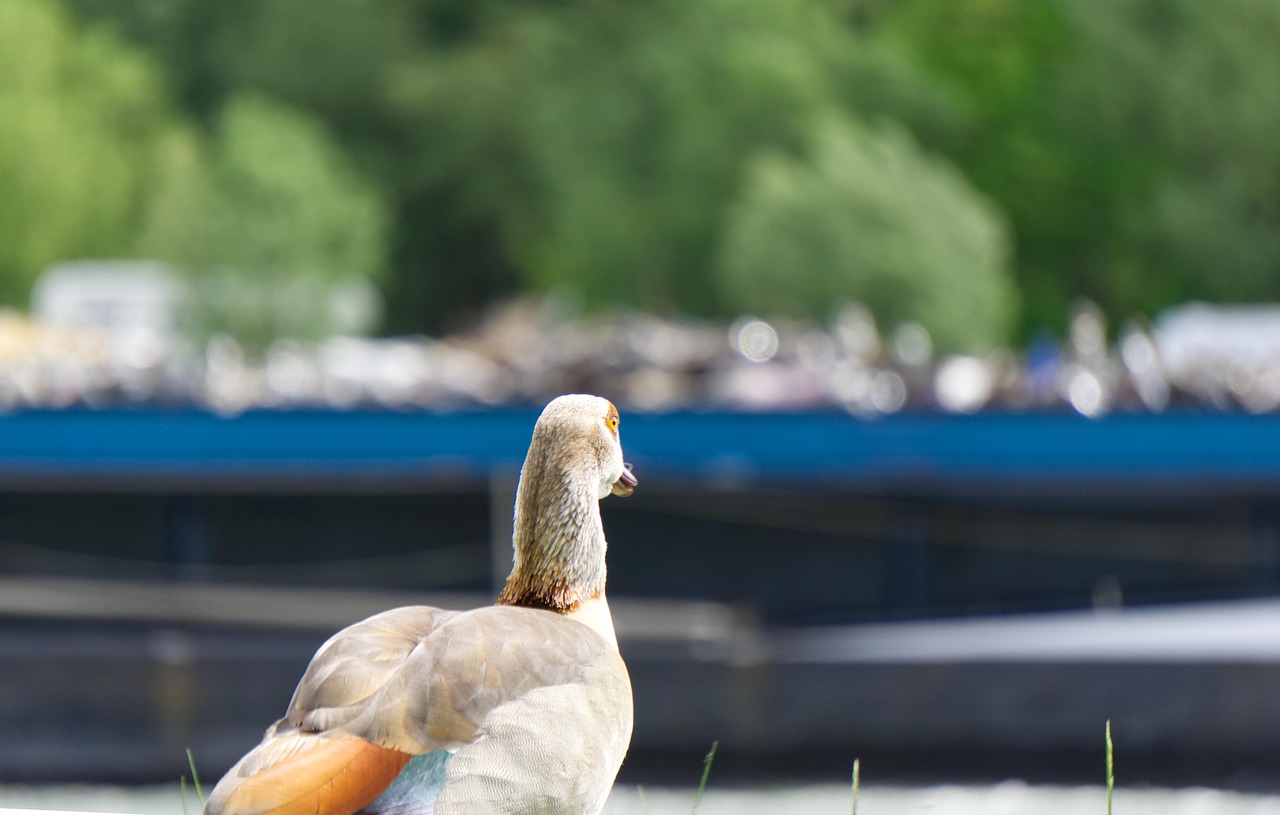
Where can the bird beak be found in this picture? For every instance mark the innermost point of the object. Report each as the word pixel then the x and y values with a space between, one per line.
pixel 626 482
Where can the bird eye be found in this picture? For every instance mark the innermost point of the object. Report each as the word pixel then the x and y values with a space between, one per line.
pixel 613 422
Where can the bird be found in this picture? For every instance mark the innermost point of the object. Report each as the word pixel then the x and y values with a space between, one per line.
pixel 524 706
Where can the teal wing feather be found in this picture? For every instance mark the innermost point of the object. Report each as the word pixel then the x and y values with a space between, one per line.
pixel 415 790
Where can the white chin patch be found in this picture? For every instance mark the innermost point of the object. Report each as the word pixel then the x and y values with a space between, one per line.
pixel 606 486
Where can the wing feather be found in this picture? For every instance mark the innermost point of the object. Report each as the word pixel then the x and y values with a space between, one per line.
pixel 416 680
pixel 296 773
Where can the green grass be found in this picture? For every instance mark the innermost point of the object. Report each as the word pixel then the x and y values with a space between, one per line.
pixel 857 772
pixel 706 773
pixel 195 782
pixel 1111 770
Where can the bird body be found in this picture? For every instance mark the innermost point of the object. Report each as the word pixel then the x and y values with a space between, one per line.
pixel 521 707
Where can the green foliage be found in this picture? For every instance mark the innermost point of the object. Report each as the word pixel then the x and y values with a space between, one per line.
pixel 372 72
pixel 869 217
pixel 586 148
pixel 95 163
pixel 1131 143
pixel 616 149
pixel 996 62
pixel 83 122
pixel 276 193
pixel 267 225
pixel 1198 111
pixel 605 140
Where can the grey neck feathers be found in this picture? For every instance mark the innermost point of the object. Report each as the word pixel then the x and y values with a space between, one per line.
pixel 558 537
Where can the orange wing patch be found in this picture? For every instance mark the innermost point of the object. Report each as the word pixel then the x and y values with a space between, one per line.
pixel 315 776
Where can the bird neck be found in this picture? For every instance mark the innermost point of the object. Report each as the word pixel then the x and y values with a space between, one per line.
pixel 558 539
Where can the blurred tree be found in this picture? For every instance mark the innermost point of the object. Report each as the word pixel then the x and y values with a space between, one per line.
pixel 183 35
pixel 996 62
pixel 269 226
pixel 584 147
pixel 601 146
pixel 354 65
pixel 1131 142
pixel 868 216
pixel 609 142
pixel 83 124
pixel 1196 120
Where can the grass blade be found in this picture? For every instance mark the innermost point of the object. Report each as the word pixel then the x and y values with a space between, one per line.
pixel 182 791
pixel 195 778
pixel 856 769
pixel 1111 775
pixel 706 773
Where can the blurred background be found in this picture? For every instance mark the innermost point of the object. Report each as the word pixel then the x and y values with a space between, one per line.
pixel 946 336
